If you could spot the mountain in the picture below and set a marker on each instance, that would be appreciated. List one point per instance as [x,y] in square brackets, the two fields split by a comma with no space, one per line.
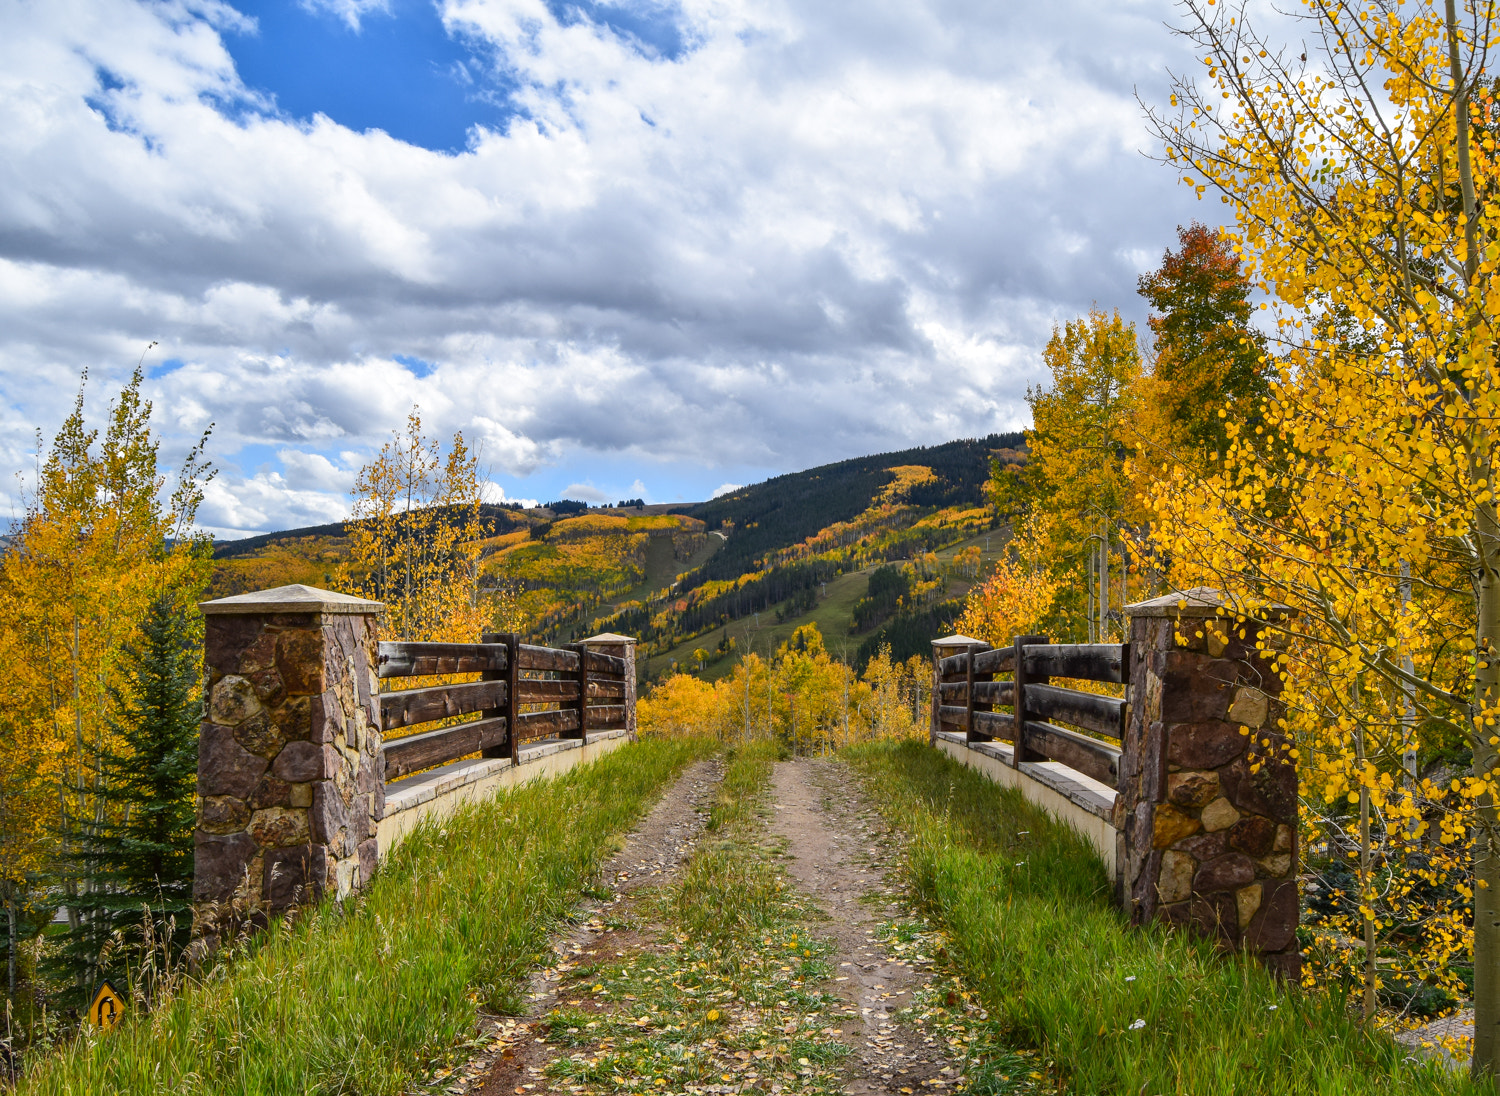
[781,512]
[874,550]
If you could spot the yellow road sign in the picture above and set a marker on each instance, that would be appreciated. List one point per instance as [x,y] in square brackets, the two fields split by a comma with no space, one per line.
[107,1007]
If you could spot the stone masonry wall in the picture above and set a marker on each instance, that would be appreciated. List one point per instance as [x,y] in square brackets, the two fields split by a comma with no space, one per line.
[291,780]
[1207,804]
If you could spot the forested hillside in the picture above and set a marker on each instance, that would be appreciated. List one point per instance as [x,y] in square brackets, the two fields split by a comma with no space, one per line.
[781,512]
[702,582]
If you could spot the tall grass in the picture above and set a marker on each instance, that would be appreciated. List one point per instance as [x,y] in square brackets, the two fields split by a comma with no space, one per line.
[367,998]
[1027,906]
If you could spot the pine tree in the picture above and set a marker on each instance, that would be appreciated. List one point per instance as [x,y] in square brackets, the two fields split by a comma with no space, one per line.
[138,865]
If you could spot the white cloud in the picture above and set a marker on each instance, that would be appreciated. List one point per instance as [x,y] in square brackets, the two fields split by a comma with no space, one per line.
[350,11]
[583,492]
[820,228]
[726,488]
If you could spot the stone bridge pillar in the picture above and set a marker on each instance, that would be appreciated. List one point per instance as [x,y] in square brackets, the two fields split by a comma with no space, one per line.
[1207,804]
[291,777]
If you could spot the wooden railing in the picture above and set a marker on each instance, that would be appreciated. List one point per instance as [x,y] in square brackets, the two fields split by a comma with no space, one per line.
[968,696]
[524,693]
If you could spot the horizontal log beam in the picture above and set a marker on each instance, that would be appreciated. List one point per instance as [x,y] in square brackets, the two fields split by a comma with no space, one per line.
[422,659]
[1077,751]
[529,691]
[547,658]
[1089,661]
[1001,725]
[1102,714]
[604,717]
[600,663]
[1001,660]
[985,692]
[542,724]
[412,706]
[404,756]
[959,663]
[950,713]
[533,691]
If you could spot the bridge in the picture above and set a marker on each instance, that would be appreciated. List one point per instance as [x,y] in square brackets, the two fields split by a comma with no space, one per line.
[322,748]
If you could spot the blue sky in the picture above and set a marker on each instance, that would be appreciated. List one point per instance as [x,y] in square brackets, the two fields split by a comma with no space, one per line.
[396,69]
[628,248]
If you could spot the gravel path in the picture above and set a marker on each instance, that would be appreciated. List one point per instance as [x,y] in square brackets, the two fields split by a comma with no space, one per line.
[828,830]
[514,1052]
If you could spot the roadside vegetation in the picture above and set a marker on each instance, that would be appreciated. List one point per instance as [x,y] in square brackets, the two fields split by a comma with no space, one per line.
[373,996]
[1025,907]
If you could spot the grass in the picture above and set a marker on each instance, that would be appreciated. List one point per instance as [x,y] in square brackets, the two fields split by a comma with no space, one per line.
[1025,904]
[371,997]
[732,987]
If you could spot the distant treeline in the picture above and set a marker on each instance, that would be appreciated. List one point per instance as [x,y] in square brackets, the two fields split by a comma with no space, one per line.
[494,518]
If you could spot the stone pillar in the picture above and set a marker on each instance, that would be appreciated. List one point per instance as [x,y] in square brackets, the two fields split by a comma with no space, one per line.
[291,775]
[608,643]
[1207,806]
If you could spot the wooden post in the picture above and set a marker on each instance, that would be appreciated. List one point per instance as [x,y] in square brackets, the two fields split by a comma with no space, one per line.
[1207,804]
[969,692]
[490,713]
[291,773]
[583,691]
[513,696]
[1019,754]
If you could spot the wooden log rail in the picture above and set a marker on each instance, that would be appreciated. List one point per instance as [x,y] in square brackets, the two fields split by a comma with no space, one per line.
[524,692]
[967,694]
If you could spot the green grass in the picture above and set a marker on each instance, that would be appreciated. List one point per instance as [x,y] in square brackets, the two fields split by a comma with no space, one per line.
[370,998]
[1026,906]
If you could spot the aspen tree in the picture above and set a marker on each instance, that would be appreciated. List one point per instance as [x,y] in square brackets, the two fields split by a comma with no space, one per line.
[1363,187]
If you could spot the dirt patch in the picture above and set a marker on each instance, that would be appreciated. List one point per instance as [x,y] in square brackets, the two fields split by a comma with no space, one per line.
[511,1052]
[832,841]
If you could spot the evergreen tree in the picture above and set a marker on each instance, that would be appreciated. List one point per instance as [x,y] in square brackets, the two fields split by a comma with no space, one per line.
[137,863]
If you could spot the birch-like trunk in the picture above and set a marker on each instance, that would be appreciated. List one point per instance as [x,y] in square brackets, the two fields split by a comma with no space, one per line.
[1486,839]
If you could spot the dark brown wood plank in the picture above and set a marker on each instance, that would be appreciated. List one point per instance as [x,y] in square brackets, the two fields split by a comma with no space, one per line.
[605,688]
[951,713]
[606,716]
[1000,660]
[1103,714]
[546,724]
[412,706]
[1077,751]
[545,692]
[1090,661]
[422,659]
[404,756]
[986,692]
[996,724]
[547,658]
[601,663]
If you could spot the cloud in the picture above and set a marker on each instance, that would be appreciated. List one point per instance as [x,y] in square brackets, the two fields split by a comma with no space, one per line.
[583,492]
[724,489]
[349,11]
[708,239]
